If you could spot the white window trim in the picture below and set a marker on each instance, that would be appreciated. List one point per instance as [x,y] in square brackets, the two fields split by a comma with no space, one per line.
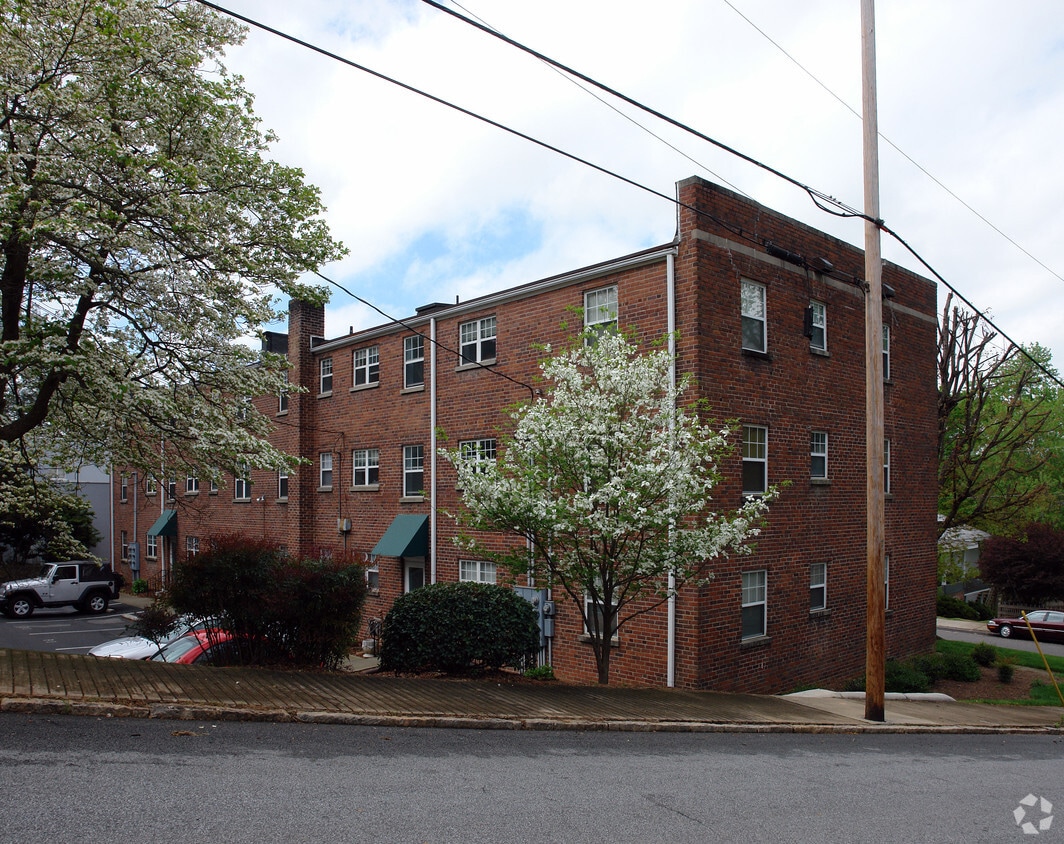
[762,602]
[818,583]
[886,352]
[761,460]
[151,547]
[819,309]
[242,484]
[282,485]
[482,451]
[365,368]
[325,464]
[361,461]
[325,376]
[886,467]
[191,485]
[814,453]
[409,459]
[601,314]
[477,338]
[761,318]
[477,571]
[413,352]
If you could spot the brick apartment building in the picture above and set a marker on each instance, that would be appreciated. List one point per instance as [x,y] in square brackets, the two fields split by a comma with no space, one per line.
[769,315]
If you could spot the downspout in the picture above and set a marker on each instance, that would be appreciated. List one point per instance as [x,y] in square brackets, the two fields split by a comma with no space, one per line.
[432,449]
[670,306]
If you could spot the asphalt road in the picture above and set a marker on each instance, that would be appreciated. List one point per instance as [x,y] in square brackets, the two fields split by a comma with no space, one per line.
[122,780]
[1014,643]
[63,629]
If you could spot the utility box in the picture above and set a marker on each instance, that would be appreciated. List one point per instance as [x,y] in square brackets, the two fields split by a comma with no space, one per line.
[538,599]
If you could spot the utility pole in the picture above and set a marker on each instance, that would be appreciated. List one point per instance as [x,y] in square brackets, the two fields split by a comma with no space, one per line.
[875,634]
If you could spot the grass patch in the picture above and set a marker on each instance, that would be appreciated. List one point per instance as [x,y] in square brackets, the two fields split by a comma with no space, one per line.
[1029,659]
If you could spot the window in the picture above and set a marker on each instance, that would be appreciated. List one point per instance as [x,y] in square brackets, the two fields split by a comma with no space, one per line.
[818,326]
[755,603]
[413,361]
[191,546]
[886,467]
[326,376]
[886,582]
[282,484]
[373,577]
[124,545]
[325,464]
[818,586]
[365,464]
[755,460]
[413,470]
[191,484]
[151,547]
[593,611]
[482,452]
[477,340]
[476,571]
[367,366]
[886,352]
[282,397]
[151,486]
[818,454]
[123,484]
[754,322]
[242,483]
[171,488]
[214,486]
[600,309]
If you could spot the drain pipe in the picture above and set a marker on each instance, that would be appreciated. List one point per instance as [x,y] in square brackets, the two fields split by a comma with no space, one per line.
[670,296]
[432,449]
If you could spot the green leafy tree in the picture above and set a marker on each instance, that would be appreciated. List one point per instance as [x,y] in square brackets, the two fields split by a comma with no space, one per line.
[38,517]
[607,478]
[1001,428]
[143,231]
[1029,566]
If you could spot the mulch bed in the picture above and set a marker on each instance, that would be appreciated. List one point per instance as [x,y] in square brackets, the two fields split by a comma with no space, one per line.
[989,687]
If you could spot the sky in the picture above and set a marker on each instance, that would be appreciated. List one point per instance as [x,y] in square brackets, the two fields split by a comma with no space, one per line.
[435,205]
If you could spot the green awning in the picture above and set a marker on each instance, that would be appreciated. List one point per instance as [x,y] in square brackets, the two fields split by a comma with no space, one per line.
[165,525]
[407,536]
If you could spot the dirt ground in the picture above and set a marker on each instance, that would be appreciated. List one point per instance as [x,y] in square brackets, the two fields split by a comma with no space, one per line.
[990,688]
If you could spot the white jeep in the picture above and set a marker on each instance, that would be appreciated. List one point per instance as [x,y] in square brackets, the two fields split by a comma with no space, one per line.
[88,586]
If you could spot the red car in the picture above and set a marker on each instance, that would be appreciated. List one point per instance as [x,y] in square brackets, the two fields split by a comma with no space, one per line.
[200,647]
[1048,626]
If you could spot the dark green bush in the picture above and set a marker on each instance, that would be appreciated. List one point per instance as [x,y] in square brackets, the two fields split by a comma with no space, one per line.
[901,677]
[1006,671]
[931,666]
[950,607]
[279,608]
[459,628]
[984,654]
[960,667]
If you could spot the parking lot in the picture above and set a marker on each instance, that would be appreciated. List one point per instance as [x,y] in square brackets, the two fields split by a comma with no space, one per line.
[64,630]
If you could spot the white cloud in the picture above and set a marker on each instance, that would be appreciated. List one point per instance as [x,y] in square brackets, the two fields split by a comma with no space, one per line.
[434,204]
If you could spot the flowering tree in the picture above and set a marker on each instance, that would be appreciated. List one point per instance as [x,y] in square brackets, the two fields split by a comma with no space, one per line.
[608,481]
[142,233]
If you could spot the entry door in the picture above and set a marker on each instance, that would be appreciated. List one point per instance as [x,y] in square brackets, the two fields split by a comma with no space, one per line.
[415,576]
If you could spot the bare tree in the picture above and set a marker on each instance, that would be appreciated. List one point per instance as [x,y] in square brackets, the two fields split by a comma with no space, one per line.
[996,419]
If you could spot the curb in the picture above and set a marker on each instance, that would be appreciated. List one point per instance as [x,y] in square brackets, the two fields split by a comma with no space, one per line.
[179,712]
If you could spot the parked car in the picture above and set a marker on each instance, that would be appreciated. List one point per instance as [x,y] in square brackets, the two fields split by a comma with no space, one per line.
[1048,626]
[140,647]
[209,646]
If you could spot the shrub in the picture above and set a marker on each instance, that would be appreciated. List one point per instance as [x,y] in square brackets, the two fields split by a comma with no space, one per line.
[540,672]
[139,586]
[278,607]
[949,607]
[931,666]
[902,677]
[960,667]
[459,628]
[984,654]
[1005,671]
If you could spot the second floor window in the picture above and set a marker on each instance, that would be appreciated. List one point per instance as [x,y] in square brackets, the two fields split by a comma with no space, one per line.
[413,361]
[326,379]
[477,340]
[818,454]
[480,451]
[242,483]
[282,484]
[755,460]
[600,309]
[413,470]
[282,398]
[367,366]
[191,484]
[886,352]
[325,463]
[365,464]
[886,467]
[817,328]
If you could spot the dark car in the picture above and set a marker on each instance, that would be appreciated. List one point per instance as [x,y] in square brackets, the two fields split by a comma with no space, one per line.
[1048,626]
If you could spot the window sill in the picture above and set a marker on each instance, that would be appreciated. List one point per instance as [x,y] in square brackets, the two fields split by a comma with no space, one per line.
[282,500]
[755,641]
[191,494]
[241,500]
[366,488]
[325,488]
[358,388]
[480,364]
[281,413]
[146,495]
[823,353]
[752,353]
[820,481]
[373,593]
[817,615]
[415,388]
[584,638]
[327,395]
[412,499]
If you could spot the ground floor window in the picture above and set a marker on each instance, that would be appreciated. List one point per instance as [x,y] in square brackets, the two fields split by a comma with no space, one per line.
[755,603]
[477,571]
[415,576]
[151,547]
[818,586]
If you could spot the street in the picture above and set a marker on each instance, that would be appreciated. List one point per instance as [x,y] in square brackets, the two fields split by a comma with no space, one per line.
[111,780]
[1014,643]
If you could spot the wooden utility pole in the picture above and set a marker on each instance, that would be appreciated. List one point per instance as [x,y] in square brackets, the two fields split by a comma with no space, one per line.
[875,634]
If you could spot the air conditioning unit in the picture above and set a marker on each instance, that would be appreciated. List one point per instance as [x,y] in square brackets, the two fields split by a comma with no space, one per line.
[343,525]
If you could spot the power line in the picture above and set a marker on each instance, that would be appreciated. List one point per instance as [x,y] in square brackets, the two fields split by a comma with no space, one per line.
[817,196]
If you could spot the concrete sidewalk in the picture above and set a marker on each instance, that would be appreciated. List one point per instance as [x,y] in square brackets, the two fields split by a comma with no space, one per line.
[44,682]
